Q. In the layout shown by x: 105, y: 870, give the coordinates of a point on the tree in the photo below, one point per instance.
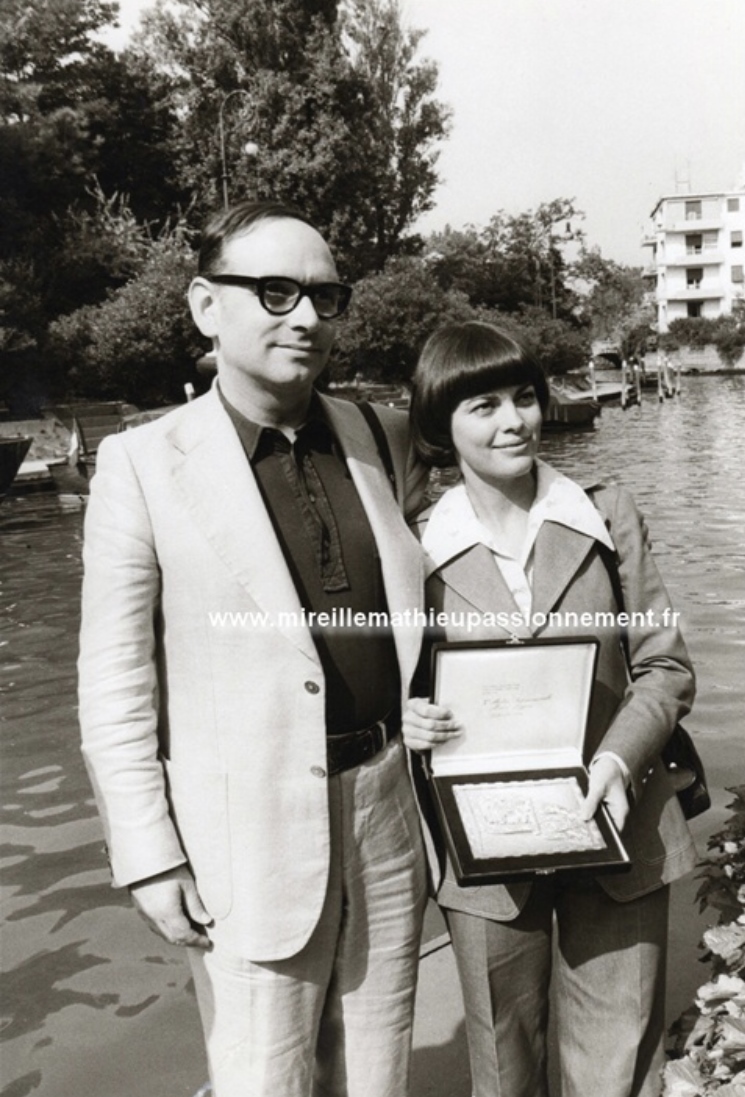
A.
x: 395, y: 310
x: 392, y: 314
x: 614, y: 303
x: 43, y: 46
x: 98, y: 151
x: 343, y: 115
x: 558, y: 346
x: 140, y: 344
x: 75, y: 121
x: 514, y: 262
x: 459, y: 260
x: 529, y: 264
x: 401, y: 122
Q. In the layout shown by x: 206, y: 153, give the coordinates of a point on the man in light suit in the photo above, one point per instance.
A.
x: 240, y: 723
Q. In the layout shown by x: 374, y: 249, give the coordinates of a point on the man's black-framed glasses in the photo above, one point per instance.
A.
x: 280, y: 295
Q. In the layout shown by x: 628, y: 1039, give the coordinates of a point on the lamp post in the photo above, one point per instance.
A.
x: 250, y: 148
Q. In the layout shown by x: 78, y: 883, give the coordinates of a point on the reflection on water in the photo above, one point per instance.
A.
x: 683, y: 460
x: 90, y: 993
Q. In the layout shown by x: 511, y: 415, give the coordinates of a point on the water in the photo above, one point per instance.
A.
x: 99, y: 1007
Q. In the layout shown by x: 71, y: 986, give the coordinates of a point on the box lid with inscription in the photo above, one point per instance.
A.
x: 509, y: 791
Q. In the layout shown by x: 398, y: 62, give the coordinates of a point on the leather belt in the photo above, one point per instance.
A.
x: 355, y: 747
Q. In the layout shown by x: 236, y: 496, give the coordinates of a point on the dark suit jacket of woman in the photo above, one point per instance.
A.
x: 634, y: 721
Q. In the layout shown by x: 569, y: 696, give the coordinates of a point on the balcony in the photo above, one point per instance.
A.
x: 704, y: 291
x: 704, y: 258
x: 649, y: 239
x: 696, y: 224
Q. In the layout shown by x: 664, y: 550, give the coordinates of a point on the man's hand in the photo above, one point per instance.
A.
x: 607, y: 783
x: 171, y: 906
x: 425, y: 725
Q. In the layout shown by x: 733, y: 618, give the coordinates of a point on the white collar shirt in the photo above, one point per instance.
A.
x: 453, y: 528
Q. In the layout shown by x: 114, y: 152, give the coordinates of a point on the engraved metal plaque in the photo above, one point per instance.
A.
x: 509, y: 791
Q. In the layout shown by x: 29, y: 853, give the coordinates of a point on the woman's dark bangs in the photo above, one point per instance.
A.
x: 488, y: 377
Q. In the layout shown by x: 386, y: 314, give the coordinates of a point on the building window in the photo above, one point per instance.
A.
x: 733, y: 205
x: 694, y: 309
x: 711, y: 239
x: 737, y: 274
x: 693, y: 210
x: 694, y: 277
x: 735, y: 239
x: 694, y: 243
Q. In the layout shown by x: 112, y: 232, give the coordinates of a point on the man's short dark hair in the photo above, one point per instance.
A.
x: 460, y: 361
x: 226, y: 224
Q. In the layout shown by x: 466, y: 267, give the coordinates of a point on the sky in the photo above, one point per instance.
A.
x: 612, y: 103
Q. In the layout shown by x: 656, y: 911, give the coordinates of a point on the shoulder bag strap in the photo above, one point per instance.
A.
x: 381, y: 441
x: 610, y: 562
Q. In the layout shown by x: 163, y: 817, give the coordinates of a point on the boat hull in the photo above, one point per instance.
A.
x: 12, y: 453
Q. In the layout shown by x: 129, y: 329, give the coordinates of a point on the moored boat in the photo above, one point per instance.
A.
x: 12, y: 453
x: 569, y: 412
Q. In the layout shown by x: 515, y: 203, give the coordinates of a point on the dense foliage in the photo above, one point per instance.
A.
x: 332, y: 92
x: 326, y: 103
x: 391, y: 315
x: 709, y: 1039
x: 726, y: 333
x: 615, y: 304
x: 140, y: 344
x: 512, y: 273
x: 342, y: 113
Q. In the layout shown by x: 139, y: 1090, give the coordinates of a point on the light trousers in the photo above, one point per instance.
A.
x: 609, y: 989
x: 335, y: 1020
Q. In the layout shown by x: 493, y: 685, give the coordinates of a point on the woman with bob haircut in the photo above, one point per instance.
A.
x: 517, y: 540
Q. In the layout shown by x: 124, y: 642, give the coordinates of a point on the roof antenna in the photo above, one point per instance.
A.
x: 683, y: 179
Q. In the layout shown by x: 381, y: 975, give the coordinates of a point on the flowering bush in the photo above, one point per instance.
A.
x: 709, y: 1038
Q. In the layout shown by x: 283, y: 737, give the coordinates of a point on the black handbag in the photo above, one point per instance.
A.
x: 686, y: 771
x: 679, y: 755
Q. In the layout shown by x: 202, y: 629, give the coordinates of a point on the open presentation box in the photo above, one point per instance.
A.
x: 508, y: 792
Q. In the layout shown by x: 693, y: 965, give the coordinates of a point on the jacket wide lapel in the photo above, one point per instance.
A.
x: 213, y: 474
x: 559, y: 553
x: 475, y: 577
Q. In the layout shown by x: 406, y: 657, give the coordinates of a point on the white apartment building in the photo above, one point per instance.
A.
x: 698, y: 255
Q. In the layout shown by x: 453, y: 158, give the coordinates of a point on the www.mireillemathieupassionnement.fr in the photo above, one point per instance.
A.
x: 467, y: 620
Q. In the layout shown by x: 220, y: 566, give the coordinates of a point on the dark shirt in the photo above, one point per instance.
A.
x: 330, y: 550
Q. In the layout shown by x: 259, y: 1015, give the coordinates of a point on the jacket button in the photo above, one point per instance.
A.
x: 318, y: 771
x: 312, y: 687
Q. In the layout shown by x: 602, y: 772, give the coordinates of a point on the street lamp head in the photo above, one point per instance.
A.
x: 251, y: 148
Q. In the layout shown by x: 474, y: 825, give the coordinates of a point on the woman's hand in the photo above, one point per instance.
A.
x: 607, y: 784
x: 424, y: 725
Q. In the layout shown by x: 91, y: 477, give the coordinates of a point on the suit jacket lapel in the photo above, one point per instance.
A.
x: 475, y: 577
x: 216, y: 481
x: 559, y: 552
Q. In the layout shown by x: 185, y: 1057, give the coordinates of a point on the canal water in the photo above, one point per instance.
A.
x: 94, y: 1005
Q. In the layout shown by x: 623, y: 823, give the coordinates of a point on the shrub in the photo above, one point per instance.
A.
x: 141, y: 344
x: 726, y: 333
x: 391, y: 315
x: 557, y: 345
